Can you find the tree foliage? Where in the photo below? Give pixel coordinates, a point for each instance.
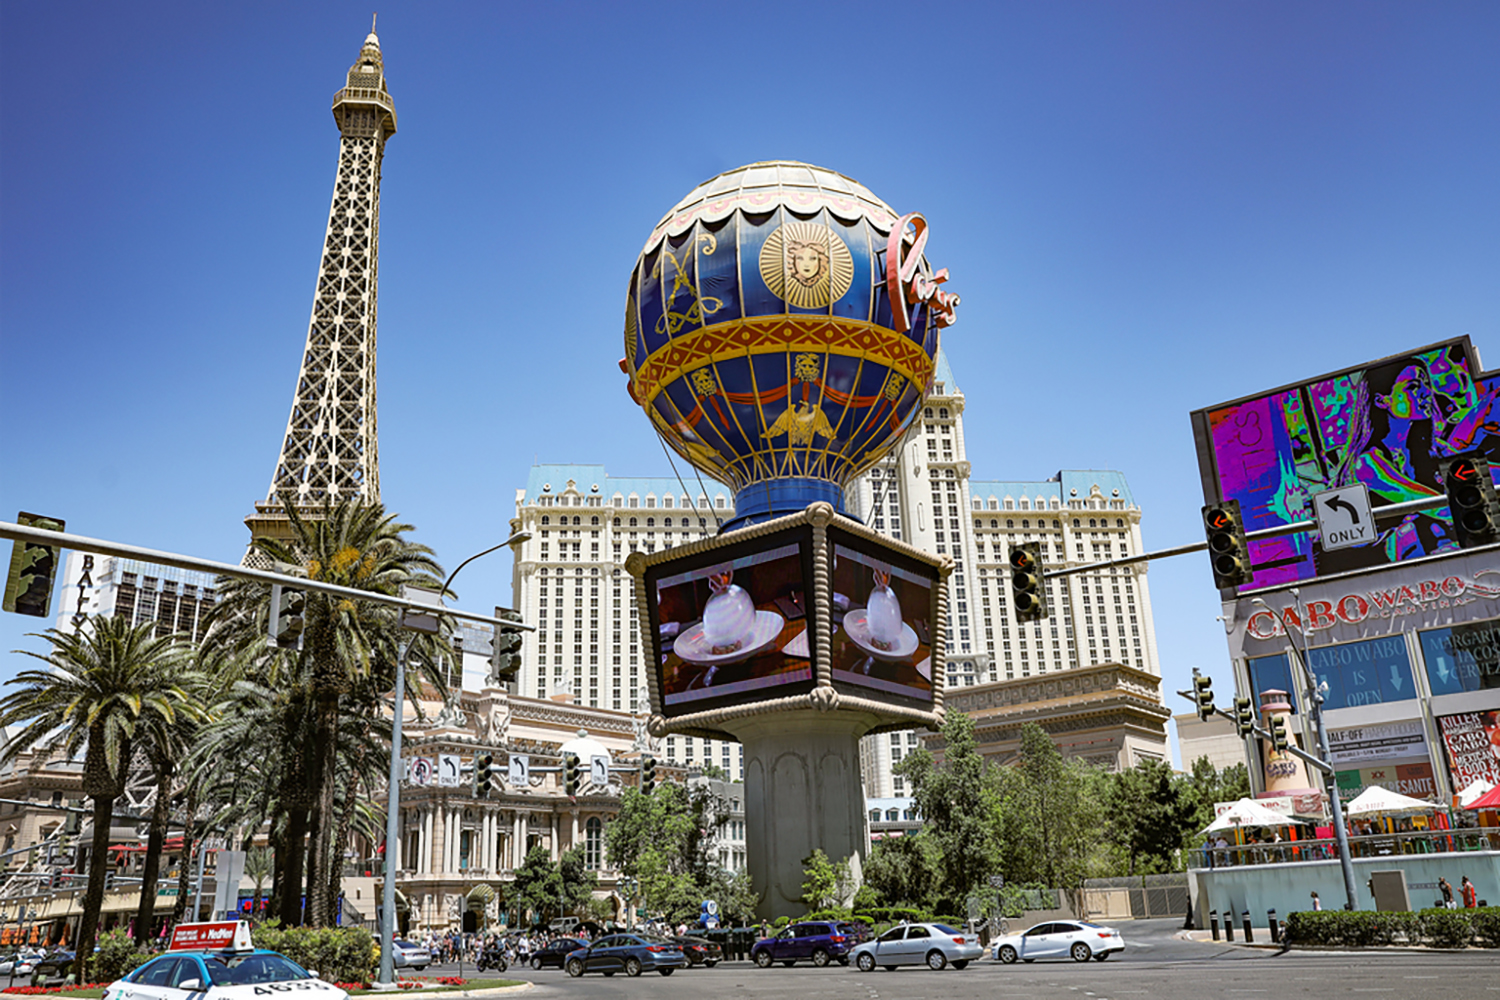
(665, 841)
(957, 801)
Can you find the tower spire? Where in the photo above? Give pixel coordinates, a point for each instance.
(329, 451)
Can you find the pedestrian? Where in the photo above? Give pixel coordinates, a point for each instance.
(1447, 891)
(1471, 896)
(1317, 903)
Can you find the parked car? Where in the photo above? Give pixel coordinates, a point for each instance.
(821, 941)
(409, 955)
(630, 953)
(19, 963)
(218, 975)
(56, 965)
(555, 953)
(1075, 939)
(700, 951)
(932, 945)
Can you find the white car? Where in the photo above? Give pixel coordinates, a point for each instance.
(220, 975)
(1075, 939)
(932, 945)
(410, 956)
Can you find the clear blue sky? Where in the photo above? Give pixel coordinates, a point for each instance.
(1147, 207)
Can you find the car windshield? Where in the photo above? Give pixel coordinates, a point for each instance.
(246, 970)
(946, 929)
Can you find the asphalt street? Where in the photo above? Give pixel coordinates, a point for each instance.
(1155, 963)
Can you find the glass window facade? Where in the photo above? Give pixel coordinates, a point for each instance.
(1463, 657)
(1271, 673)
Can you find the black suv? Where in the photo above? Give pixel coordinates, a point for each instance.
(555, 953)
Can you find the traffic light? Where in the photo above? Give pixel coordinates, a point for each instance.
(1278, 733)
(484, 766)
(571, 777)
(72, 824)
(1228, 550)
(1472, 501)
(505, 663)
(1026, 587)
(28, 585)
(1244, 717)
(286, 619)
(1203, 694)
(648, 774)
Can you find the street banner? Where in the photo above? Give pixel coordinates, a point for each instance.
(1472, 740)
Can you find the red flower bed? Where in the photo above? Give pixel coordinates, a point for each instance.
(37, 990)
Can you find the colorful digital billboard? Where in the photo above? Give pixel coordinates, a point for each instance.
(883, 615)
(733, 623)
(1387, 424)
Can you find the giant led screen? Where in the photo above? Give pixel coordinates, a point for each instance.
(733, 624)
(883, 616)
(1387, 425)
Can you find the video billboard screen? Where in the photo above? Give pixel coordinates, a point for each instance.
(733, 625)
(883, 610)
(1386, 425)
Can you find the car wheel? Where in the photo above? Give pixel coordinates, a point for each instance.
(763, 959)
(632, 967)
(820, 958)
(1081, 952)
(1101, 956)
(536, 963)
(1008, 955)
(575, 967)
(936, 960)
(666, 972)
(960, 963)
(866, 962)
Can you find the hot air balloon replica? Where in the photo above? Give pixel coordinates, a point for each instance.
(781, 333)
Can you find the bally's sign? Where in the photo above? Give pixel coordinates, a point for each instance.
(1429, 594)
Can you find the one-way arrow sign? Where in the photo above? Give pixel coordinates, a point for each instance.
(1344, 518)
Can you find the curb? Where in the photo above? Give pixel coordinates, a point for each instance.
(494, 991)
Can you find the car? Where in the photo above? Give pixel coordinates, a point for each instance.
(19, 963)
(555, 953)
(57, 965)
(630, 953)
(820, 941)
(933, 945)
(1075, 939)
(219, 975)
(700, 951)
(409, 955)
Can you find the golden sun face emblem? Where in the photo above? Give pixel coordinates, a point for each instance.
(806, 265)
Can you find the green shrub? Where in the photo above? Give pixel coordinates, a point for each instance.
(1447, 928)
(116, 956)
(1487, 925)
(836, 913)
(1396, 928)
(781, 921)
(337, 954)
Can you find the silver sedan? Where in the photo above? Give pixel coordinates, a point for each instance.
(932, 945)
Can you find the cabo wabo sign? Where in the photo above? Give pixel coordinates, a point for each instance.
(1431, 594)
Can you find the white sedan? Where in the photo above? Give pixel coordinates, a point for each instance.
(1075, 939)
(932, 945)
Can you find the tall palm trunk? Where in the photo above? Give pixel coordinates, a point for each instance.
(291, 873)
(145, 910)
(323, 772)
(340, 838)
(93, 899)
(185, 870)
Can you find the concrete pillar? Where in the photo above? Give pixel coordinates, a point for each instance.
(802, 792)
(518, 843)
(572, 831)
(424, 859)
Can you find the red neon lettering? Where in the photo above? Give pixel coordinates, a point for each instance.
(1384, 598)
(905, 286)
(1429, 590)
(1320, 615)
(1290, 619)
(1453, 586)
(1353, 609)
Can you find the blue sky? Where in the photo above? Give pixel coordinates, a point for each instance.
(1147, 208)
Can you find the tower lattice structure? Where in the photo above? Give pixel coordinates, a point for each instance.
(330, 452)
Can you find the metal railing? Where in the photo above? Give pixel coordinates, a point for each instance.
(1364, 846)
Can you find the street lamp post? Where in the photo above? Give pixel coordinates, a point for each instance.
(1314, 699)
(387, 976)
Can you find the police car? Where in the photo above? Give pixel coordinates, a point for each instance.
(218, 962)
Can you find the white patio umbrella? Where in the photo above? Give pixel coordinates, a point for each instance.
(1377, 801)
(1246, 812)
(1476, 788)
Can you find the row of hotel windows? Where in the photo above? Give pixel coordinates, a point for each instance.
(632, 501)
(1458, 659)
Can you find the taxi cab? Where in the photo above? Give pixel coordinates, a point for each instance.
(218, 962)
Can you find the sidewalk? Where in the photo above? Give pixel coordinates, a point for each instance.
(1262, 937)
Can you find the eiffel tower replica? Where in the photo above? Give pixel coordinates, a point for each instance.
(329, 453)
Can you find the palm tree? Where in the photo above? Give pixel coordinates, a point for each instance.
(102, 685)
(347, 644)
(258, 866)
